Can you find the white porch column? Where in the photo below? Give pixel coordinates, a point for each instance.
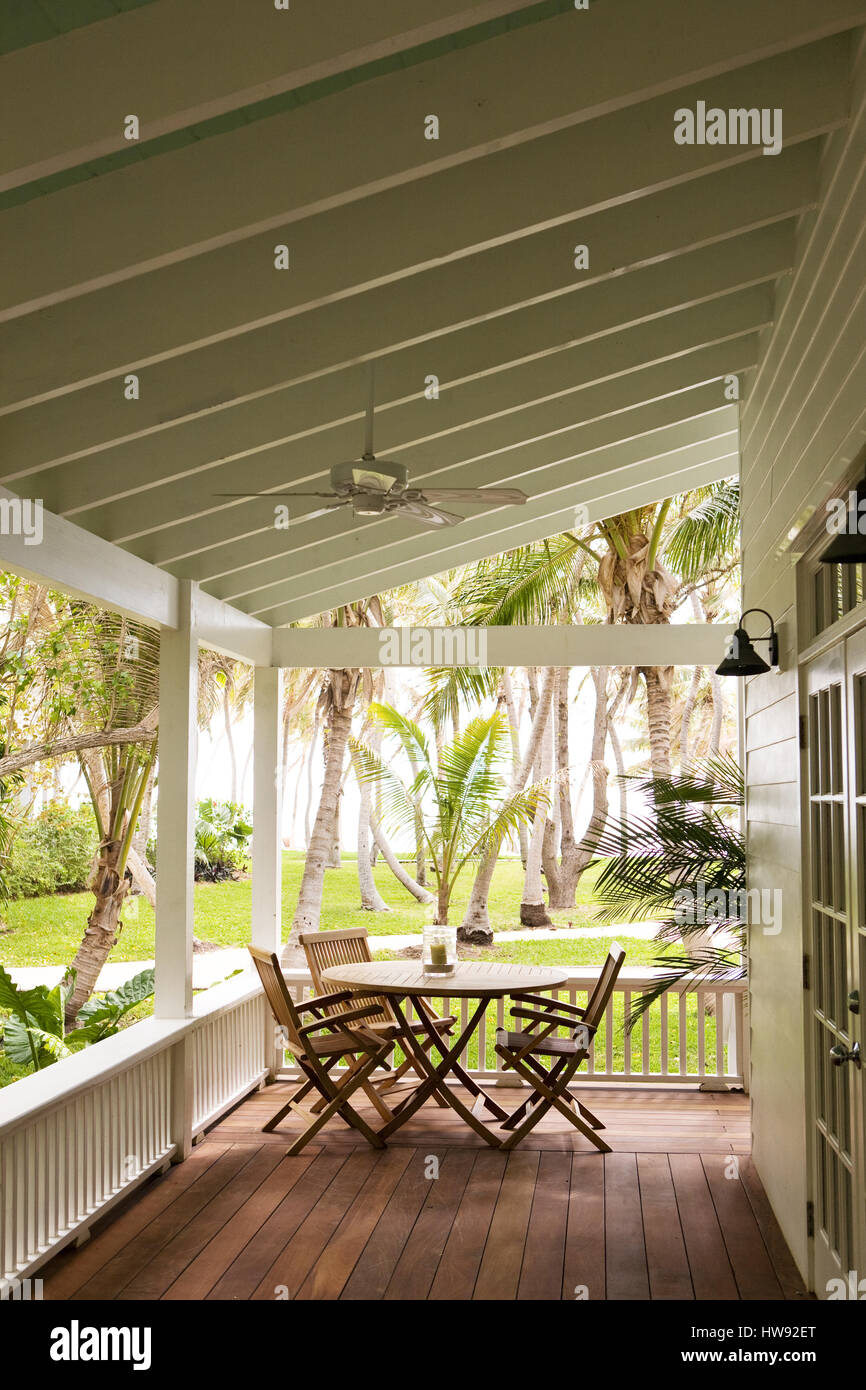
(178, 739)
(267, 833)
(267, 810)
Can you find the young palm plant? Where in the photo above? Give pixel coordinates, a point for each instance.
(461, 796)
(684, 862)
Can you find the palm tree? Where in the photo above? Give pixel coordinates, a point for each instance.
(120, 662)
(461, 794)
(669, 862)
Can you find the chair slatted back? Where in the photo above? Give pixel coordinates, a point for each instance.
(602, 990)
(349, 946)
(277, 994)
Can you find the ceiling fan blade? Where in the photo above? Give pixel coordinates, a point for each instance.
(428, 516)
(493, 496)
(273, 494)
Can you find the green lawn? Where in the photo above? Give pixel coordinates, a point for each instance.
(48, 931)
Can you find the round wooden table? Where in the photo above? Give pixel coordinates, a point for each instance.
(469, 980)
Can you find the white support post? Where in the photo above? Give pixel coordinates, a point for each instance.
(267, 828)
(178, 739)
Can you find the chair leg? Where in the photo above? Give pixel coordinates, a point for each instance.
(290, 1104)
(339, 1104)
(548, 1099)
(588, 1115)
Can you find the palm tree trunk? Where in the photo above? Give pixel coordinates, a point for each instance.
(716, 730)
(416, 889)
(533, 912)
(420, 844)
(576, 857)
(371, 898)
(310, 758)
(658, 702)
(514, 726)
(688, 711)
(103, 925)
(309, 908)
(230, 740)
(475, 927)
(122, 798)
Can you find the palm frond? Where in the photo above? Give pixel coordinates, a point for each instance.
(708, 534)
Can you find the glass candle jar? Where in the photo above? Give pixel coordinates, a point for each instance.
(439, 950)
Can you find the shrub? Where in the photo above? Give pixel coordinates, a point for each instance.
(53, 853)
(222, 837)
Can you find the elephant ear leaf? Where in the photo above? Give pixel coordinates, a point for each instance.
(39, 1005)
(20, 1039)
(112, 1006)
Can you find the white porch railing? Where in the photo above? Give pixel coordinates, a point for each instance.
(79, 1136)
(677, 1041)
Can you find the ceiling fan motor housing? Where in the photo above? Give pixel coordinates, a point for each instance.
(381, 474)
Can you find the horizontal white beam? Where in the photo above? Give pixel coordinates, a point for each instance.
(675, 644)
(225, 629)
(63, 556)
(81, 564)
(194, 60)
(399, 233)
(574, 67)
(231, 396)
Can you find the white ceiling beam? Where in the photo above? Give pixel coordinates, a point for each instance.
(406, 326)
(181, 492)
(402, 232)
(195, 60)
(573, 68)
(475, 543)
(601, 644)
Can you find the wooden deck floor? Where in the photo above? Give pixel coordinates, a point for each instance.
(675, 1212)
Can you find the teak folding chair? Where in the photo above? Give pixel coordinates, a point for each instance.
(341, 1035)
(522, 1051)
(351, 946)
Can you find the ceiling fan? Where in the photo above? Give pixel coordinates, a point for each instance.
(380, 487)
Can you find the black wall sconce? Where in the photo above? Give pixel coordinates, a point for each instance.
(848, 546)
(741, 659)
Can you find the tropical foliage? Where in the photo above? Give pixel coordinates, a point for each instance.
(222, 839)
(35, 1030)
(457, 795)
(685, 852)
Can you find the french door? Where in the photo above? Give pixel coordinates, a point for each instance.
(836, 931)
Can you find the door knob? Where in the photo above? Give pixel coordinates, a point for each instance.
(854, 1001)
(840, 1054)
